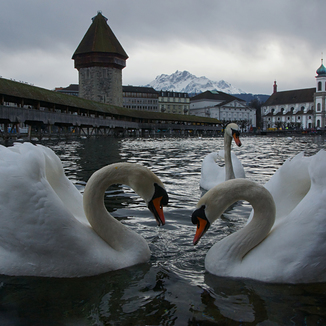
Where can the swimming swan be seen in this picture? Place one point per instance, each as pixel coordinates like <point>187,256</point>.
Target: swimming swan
<point>44,230</point>
<point>291,251</point>
<point>211,173</point>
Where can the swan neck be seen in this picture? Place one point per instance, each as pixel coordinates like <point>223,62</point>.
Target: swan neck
<point>259,227</point>
<point>237,245</point>
<point>229,173</point>
<point>103,223</point>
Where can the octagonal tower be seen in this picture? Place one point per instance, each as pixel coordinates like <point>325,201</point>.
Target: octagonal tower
<point>99,59</point>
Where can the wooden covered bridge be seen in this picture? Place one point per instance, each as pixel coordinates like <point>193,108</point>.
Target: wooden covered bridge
<point>42,111</point>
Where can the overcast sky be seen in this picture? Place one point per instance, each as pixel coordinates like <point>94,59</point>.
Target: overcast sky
<point>248,43</point>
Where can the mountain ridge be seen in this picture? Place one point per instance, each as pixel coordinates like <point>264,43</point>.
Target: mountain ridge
<point>185,82</point>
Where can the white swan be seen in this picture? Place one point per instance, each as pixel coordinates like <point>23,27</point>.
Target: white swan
<point>293,250</point>
<point>211,173</point>
<point>43,227</point>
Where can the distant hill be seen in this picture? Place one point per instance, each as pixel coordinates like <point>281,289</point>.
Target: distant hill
<point>249,97</point>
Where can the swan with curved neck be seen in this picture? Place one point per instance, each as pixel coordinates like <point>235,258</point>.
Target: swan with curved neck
<point>294,251</point>
<point>45,232</point>
<point>211,173</point>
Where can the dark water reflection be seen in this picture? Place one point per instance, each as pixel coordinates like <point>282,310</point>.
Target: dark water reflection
<point>173,287</point>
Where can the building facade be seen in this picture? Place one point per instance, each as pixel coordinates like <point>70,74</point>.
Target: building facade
<point>99,59</point>
<point>174,102</point>
<point>224,107</point>
<point>140,98</point>
<point>72,89</point>
<point>297,109</point>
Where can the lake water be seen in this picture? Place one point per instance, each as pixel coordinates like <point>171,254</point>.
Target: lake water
<point>173,287</point>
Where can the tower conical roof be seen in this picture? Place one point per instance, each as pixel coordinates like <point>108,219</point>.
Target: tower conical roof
<point>100,38</point>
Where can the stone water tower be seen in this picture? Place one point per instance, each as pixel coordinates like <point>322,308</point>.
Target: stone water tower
<point>99,59</point>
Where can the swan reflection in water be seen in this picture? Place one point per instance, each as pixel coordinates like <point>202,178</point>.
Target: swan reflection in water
<point>144,295</point>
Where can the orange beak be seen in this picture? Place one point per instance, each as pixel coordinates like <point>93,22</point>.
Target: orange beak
<point>202,227</point>
<point>237,139</point>
<point>157,210</point>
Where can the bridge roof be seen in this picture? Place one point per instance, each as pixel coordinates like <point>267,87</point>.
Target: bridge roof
<point>16,92</point>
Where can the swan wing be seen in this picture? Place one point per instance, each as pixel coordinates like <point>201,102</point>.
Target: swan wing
<point>63,187</point>
<point>211,173</point>
<point>294,251</point>
<point>38,235</point>
<point>290,183</point>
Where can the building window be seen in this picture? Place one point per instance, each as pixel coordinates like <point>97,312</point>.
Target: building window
<point>319,86</point>
<point>318,106</point>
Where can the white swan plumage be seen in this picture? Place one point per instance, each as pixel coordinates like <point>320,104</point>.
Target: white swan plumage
<point>213,174</point>
<point>47,228</point>
<point>288,249</point>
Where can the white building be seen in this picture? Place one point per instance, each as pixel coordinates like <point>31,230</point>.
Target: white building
<point>140,98</point>
<point>297,109</point>
<point>174,102</point>
<point>224,107</point>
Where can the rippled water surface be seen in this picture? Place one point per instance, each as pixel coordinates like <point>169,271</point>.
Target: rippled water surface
<point>173,287</point>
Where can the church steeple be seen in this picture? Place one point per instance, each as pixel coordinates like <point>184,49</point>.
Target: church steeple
<point>320,96</point>
<point>99,59</point>
<point>321,71</point>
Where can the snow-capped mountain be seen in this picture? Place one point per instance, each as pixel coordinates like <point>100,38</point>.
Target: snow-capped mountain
<point>184,81</point>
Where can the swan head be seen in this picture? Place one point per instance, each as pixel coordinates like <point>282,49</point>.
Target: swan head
<point>199,218</point>
<point>148,186</point>
<point>233,131</point>
<point>213,203</point>
<point>155,205</point>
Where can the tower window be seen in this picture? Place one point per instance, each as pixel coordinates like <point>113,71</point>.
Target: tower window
<point>319,86</point>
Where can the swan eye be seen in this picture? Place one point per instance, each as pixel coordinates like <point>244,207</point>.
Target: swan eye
<point>235,133</point>
<point>199,217</point>
<point>194,219</point>
<point>161,193</point>
<point>198,214</point>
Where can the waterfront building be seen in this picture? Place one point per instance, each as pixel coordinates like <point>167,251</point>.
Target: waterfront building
<point>99,59</point>
<point>297,109</point>
<point>72,89</point>
<point>174,102</point>
<point>289,109</point>
<point>224,107</point>
<point>140,98</point>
